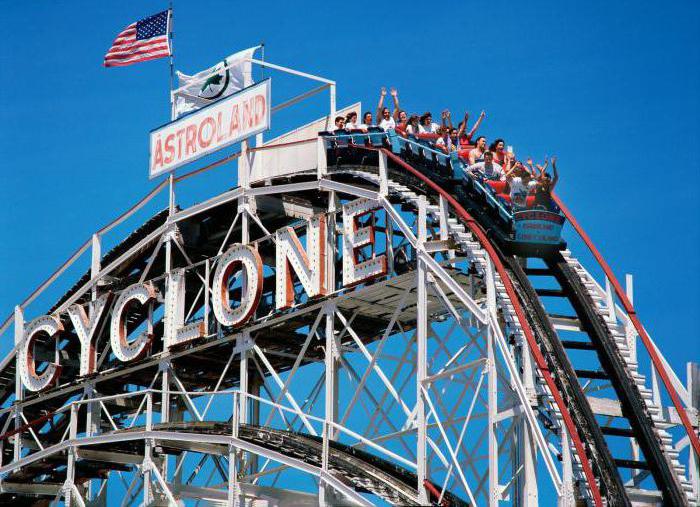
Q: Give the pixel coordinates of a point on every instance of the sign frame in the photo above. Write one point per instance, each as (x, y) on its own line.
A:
(221, 103)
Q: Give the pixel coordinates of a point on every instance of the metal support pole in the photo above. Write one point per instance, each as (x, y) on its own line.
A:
(630, 331)
(527, 451)
(322, 159)
(383, 176)
(148, 452)
(694, 391)
(331, 399)
(631, 335)
(95, 262)
(91, 424)
(171, 194)
(70, 465)
(567, 481)
(331, 90)
(164, 367)
(444, 226)
(494, 487)
(421, 361)
(19, 388)
(243, 387)
(234, 490)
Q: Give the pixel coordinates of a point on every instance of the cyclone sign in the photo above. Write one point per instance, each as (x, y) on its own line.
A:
(292, 260)
(210, 128)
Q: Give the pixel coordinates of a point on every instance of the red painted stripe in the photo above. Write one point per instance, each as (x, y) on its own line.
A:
(534, 348)
(123, 63)
(138, 50)
(632, 314)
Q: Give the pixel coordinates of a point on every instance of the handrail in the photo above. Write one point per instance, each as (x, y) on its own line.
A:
(475, 227)
(632, 314)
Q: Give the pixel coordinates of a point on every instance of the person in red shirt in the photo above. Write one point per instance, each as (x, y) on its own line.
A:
(465, 140)
(498, 149)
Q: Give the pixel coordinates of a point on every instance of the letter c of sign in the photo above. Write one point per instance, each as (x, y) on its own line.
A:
(248, 260)
(33, 381)
(123, 349)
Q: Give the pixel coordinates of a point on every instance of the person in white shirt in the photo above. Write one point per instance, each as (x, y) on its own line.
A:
(520, 182)
(339, 123)
(412, 125)
(366, 121)
(351, 121)
(426, 124)
(383, 113)
(488, 168)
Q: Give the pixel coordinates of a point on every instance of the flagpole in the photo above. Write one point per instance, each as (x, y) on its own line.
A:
(171, 178)
(171, 35)
(262, 57)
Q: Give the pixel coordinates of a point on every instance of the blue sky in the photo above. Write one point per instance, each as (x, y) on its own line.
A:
(611, 88)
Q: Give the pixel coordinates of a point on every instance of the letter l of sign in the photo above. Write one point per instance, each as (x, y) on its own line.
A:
(175, 332)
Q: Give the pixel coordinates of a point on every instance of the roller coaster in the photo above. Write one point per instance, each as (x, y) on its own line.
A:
(357, 321)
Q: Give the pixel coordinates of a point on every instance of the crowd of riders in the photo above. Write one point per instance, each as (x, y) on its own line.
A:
(518, 185)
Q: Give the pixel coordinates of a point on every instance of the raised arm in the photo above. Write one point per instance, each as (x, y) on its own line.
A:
(448, 117)
(543, 168)
(556, 173)
(510, 167)
(533, 173)
(517, 165)
(476, 125)
(395, 96)
(382, 94)
(463, 126)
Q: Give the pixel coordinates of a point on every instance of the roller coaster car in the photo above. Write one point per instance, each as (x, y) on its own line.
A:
(529, 232)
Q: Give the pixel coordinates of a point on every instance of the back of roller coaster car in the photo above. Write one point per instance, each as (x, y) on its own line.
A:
(538, 226)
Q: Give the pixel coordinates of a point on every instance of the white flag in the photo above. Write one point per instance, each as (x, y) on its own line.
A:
(214, 83)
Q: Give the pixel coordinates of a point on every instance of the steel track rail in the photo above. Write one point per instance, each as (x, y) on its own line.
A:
(632, 314)
(360, 470)
(608, 473)
(633, 406)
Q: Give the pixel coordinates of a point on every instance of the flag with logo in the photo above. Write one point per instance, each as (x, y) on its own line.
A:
(214, 83)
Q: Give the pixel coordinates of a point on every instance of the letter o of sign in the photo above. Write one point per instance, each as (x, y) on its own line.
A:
(248, 260)
(36, 382)
(123, 349)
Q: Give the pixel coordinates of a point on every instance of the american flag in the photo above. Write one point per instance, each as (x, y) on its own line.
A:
(147, 39)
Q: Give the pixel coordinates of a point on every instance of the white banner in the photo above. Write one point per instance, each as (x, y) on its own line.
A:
(214, 83)
(211, 128)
